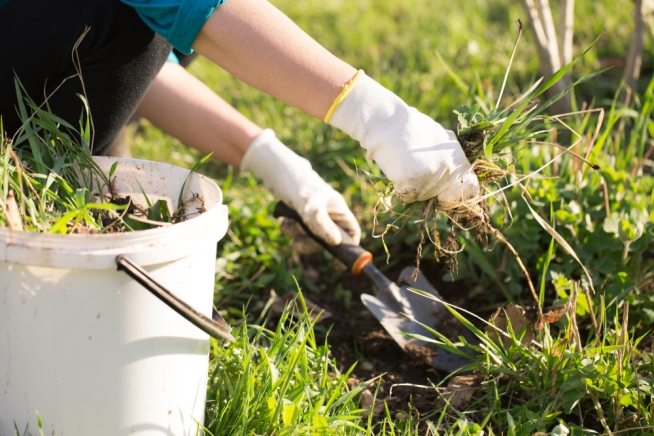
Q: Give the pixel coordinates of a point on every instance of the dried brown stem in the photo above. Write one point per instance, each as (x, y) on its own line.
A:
(421, 230)
(555, 153)
(19, 170)
(592, 312)
(632, 429)
(600, 121)
(622, 341)
(605, 194)
(602, 311)
(503, 239)
(506, 74)
(635, 370)
(600, 412)
(646, 156)
(576, 155)
(573, 316)
(14, 221)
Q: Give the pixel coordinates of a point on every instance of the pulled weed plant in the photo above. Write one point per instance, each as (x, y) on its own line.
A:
(490, 135)
(605, 216)
(50, 183)
(47, 176)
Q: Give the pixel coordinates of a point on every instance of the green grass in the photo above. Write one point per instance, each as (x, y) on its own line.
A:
(280, 382)
(50, 183)
(600, 384)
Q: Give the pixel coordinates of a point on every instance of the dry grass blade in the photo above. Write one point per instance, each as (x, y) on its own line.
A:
(573, 316)
(459, 391)
(562, 242)
(566, 150)
(515, 315)
(593, 319)
(14, 221)
(149, 222)
(506, 74)
(501, 237)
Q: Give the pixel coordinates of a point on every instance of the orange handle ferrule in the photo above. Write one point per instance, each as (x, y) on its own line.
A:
(362, 261)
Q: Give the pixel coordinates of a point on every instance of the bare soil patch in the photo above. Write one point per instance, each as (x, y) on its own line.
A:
(355, 335)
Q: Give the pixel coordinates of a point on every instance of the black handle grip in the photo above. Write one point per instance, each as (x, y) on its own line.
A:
(216, 329)
(353, 256)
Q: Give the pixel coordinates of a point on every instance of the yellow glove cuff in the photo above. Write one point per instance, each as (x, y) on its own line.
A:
(349, 86)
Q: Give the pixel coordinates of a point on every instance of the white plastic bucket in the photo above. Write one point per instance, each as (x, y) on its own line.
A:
(89, 348)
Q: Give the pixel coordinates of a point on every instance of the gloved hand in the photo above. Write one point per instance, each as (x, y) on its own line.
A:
(420, 157)
(291, 179)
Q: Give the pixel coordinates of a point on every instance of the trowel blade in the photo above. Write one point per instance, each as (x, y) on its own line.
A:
(394, 306)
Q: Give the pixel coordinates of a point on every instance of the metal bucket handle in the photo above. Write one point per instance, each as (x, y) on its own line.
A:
(216, 329)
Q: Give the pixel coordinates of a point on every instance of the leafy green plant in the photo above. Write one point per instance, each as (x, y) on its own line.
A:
(556, 382)
(605, 216)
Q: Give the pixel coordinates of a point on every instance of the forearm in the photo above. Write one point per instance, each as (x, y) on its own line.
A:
(182, 106)
(259, 45)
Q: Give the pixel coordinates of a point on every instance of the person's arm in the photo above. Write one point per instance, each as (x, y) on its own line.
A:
(261, 46)
(184, 107)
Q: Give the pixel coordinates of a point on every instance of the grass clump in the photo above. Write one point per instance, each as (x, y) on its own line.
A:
(280, 382)
(47, 176)
(553, 382)
(50, 183)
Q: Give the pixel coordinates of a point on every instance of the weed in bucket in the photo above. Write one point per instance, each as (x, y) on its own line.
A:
(49, 181)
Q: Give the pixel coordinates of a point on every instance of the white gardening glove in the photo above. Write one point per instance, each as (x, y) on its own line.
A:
(420, 157)
(290, 178)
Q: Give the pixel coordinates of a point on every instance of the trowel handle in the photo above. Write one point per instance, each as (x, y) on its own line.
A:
(352, 255)
(216, 329)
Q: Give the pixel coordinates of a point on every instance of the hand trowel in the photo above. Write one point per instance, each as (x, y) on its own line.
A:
(395, 306)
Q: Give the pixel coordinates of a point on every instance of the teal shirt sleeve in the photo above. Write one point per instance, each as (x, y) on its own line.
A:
(172, 57)
(179, 21)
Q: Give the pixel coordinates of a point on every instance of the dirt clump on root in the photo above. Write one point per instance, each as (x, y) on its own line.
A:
(110, 222)
(472, 143)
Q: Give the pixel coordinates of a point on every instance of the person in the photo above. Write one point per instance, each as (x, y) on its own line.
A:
(120, 49)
